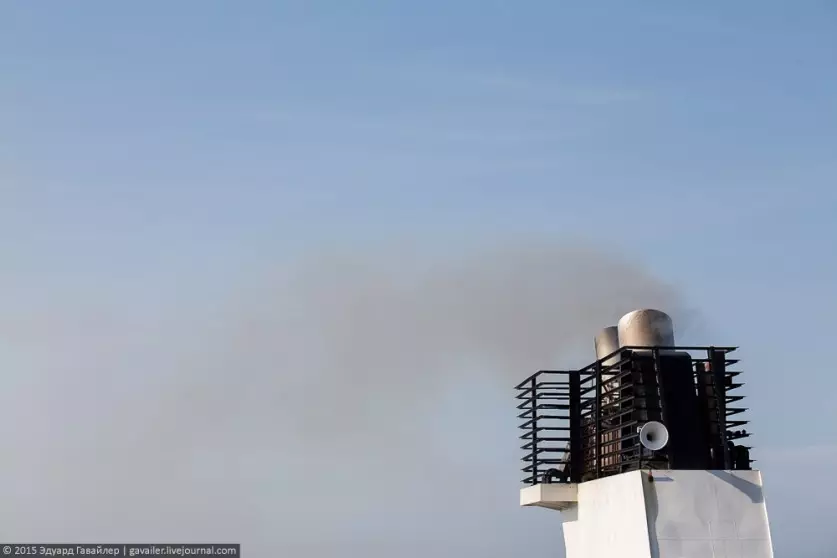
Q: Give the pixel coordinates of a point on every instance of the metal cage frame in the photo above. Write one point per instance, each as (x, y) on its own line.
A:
(583, 424)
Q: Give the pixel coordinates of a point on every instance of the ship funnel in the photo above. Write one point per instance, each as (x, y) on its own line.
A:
(607, 342)
(646, 328)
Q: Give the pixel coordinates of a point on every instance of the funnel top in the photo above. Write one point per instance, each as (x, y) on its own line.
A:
(646, 328)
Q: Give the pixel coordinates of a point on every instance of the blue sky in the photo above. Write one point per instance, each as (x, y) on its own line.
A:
(152, 145)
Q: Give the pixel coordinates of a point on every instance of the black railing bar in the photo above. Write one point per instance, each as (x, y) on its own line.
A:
(612, 392)
(616, 367)
(529, 445)
(544, 417)
(619, 376)
(554, 439)
(553, 429)
(528, 425)
(554, 424)
(546, 453)
(619, 427)
(588, 369)
(542, 400)
(706, 360)
(587, 390)
(553, 407)
(625, 438)
(604, 456)
(627, 412)
(618, 402)
(527, 404)
(532, 457)
(550, 395)
(542, 429)
(532, 467)
(535, 452)
(727, 373)
(528, 462)
(634, 348)
(621, 451)
(551, 385)
(528, 435)
(534, 376)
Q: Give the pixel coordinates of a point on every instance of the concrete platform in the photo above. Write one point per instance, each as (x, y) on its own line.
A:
(557, 496)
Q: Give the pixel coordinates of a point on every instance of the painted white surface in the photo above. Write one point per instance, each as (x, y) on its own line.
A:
(554, 496)
(699, 514)
(609, 519)
(680, 514)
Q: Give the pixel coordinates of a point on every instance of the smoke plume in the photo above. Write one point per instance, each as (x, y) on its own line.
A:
(356, 403)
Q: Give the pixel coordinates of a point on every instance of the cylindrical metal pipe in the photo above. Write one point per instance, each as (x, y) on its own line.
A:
(646, 328)
(607, 342)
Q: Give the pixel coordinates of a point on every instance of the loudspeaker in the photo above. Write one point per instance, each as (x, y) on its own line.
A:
(653, 435)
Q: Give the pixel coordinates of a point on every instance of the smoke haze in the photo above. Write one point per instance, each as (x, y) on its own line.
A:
(358, 403)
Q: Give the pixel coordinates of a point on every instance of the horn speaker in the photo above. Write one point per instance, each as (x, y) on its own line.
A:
(653, 435)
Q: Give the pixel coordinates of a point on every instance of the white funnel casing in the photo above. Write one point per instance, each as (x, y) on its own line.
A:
(646, 328)
(661, 514)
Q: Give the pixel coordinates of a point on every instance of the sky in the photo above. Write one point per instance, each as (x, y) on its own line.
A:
(177, 179)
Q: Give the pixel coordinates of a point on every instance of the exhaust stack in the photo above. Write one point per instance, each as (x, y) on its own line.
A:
(640, 452)
(646, 328)
(607, 342)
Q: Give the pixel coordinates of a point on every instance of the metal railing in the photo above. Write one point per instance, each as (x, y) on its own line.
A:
(583, 424)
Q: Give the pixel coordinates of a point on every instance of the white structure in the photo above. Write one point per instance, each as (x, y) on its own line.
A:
(661, 514)
(647, 513)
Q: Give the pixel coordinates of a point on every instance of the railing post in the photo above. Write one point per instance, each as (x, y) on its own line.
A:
(664, 413)
(576, 447)
(534, 395)
(717, 361)
(597, 440)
